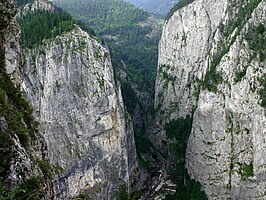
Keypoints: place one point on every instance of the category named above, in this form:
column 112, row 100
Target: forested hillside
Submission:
column 44, row 24
column 180, row 4
column 131, row 33
column 160, row 7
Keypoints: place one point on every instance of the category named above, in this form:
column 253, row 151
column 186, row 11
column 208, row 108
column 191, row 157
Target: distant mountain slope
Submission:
column 161, row 7
column 131, row 33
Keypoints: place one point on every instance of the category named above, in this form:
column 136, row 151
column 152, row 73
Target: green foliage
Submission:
column 255, row 37
column 111, row 15
column 16, row 110
column 6, row 153
column 240, row 74
column 213, row 78
column 257, row 41
column 119, row 24
column 262, row 91
column 246, row 170
column 260, row 29
column 18, row 115
column 89, row 30
column 179, row 5
column 143, row 146
column 159, row 7
column 40, row 25
column 2, row 189
column 145, row 164
column 32, row 189
column 129, row 97
column 246, row 8
column 45, row 167
column 122, row 194
column 178, row 131
column 167, row 77
column 190, row 190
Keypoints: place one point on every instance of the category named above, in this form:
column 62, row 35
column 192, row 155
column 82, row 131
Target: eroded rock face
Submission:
column 183, row 55
column 211, row 68
column 70, row 83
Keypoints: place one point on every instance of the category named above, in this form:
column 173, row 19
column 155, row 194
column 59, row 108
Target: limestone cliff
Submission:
column 212, row 69
column 79, row 140
column 69, row 81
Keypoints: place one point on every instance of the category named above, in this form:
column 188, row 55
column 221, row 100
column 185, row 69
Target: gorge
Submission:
column 75, row 123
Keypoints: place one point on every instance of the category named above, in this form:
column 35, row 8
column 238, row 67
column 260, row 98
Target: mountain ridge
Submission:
column 160, row 7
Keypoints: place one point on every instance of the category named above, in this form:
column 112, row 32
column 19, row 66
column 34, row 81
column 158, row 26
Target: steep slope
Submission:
column 68, row 78
column 211, row 72
column 23, row 170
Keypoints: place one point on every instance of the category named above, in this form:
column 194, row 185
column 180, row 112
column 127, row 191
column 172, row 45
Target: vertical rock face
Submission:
column 183, row 55
column 212, row 67
column 70, row 82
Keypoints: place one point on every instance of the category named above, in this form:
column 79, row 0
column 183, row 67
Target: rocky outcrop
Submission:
column 36, row 5
column 211, row 68
column 71, row 85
